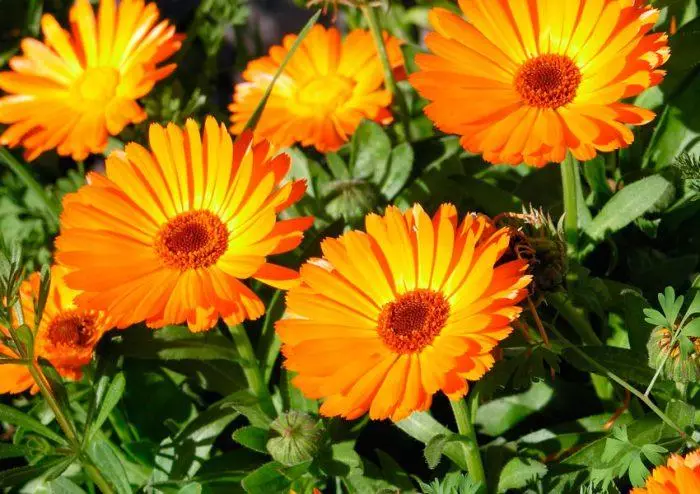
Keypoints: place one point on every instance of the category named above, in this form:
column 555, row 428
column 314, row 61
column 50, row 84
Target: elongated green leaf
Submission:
column 111, row 398
column 21, row 475
column 627, row 205
column 109, row 465
column 252, row 438
column 15, row 417
column 685, row 57
column 255, row 117
column 8, row 450
column 63, row 485
column 518, row 472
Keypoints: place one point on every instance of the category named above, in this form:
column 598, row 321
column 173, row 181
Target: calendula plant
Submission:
column 426, row 247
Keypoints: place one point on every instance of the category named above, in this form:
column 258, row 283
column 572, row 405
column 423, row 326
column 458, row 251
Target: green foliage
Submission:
column 598, row 382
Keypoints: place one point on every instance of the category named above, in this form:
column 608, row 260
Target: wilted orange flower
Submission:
column 681, row 475
column 389, row 317
column 167, row 236
column 66, row 335
column 325, row 91
column 523, row 81
column 75, row 88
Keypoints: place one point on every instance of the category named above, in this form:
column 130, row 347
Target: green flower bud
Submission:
column 677, row 367
column 295, row 437
column 536, row 239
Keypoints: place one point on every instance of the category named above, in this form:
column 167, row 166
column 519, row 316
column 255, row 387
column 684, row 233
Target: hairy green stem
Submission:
column 614, row 377
column 569, row 169
column 251, row 368
column 23, row 174
column 370, row 14
column 465, row 426
column 574, row 317
column 97, row 478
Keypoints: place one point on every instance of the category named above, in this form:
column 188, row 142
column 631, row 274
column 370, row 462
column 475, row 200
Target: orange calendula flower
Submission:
column 389, row 317
column 681, row 475
column 66, row 335
column 325, row 91
column 72, row 90
column 527, row 80
column 168, row 234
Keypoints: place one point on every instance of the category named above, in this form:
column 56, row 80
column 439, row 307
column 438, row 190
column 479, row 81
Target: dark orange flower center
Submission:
column 413, row 320
column 73, row 328
column 548, row 81
column 191, row 240
column 98, row 84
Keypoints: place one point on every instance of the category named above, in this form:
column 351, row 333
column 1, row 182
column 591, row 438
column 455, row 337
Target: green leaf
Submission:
column 682, row 414
column 15, row 417
column 20, row 475
column 500, row 415
column 490, row 198
column 247, row 404
column 519, row 472
column 257, row 113
column 623, row 362
column 436, row 446
column 370, row 151
column 252, row 438
column 109, row 465
column 193, row 488
column 272, row 477
column 627, row 205
column 692, row 328
column 654, row 317
column 114, row 393
column 64, row 485
column 337, row 166
column 639, row 329
column 8, row 450
column 685, row 56
column 422, row 427
column 400, row 169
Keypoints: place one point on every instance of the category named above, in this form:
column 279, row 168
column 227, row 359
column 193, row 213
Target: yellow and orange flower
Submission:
column 389, row 317
column 66, row 335
column 325, row 91
column 681, row 475
column 168, row 234
column 527, row 80
column 74, row 89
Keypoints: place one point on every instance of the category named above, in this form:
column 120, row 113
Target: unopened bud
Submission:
column 296, row 437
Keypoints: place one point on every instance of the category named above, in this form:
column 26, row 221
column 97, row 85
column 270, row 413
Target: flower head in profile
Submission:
column 168, row 235
column 533, row 79
column 389, row 317
column 66, row 335
column 77, row 87
column 328, row 87
column 680, row 475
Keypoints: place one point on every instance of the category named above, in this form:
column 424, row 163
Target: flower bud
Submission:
column 677, row 367
column 536, row 239
column 295, row 437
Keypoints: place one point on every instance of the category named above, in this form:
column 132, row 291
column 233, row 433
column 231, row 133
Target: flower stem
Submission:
column 370, row 14
column 614, row 377
column 66, row 425
column 251, row 368
column 465, row 426
column 23, row 174
column 569, row 169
